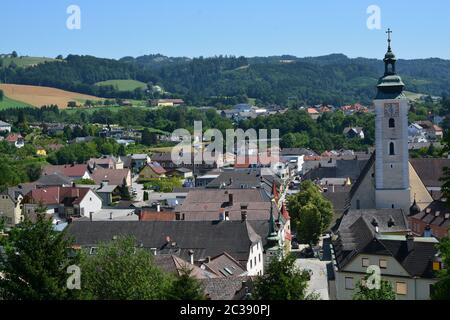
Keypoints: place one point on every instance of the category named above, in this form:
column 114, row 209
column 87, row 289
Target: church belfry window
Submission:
column 392, row 149
column 391, row 123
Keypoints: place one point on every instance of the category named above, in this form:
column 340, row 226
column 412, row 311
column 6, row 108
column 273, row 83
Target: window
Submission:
column 251, row 264
column 365, row 262
column 401, row 288
column 391, row 123
column 383, row 264
column 349, row 284
column 391, row 149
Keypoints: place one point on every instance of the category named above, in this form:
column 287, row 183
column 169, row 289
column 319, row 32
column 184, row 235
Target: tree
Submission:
column 385, row 292
column 149, row 138
column 14, row 54
column 310, row 195
column 125, row 192
column 185, row 287
column 122, row 151
column 441, row 290
column 282, row 281
column 309, row 225
column 35, row 263
column 120, row 271
column 72, row 104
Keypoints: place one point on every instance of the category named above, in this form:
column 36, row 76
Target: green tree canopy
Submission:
column 282, row 281
column 35, row 263
column 385, row 292
column 441, row 290
column 309, row 197
column 120, row 271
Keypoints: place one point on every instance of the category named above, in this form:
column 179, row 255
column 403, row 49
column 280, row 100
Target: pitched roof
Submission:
column 415, row 255
column 71, row 171
column 209, row 204
column 4, row 124
column 234, row 288
column 435, row 214
column 113, row 176
column 225, row 265
column 430, row 170
column 57, row 195
column 297, row 152
column 55, row 179
column 175, row 265
column 387, row 220
column 204, row 238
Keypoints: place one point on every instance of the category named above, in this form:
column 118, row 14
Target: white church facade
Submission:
column 389, row 181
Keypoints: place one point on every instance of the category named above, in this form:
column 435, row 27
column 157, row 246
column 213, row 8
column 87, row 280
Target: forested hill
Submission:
column 334, row 79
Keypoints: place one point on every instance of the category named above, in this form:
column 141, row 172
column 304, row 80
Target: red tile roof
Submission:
column 56, row 195
column 77, row 170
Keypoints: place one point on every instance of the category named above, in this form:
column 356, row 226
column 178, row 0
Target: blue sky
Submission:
column 117, row 28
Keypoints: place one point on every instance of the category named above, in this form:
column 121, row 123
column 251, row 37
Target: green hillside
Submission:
column 123, row 85
column 24, row 62
column 7, row 103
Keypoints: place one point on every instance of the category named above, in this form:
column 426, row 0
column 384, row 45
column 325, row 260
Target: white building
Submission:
column 5, row 127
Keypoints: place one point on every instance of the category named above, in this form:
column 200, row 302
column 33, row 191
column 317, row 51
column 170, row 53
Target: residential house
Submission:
column 16, row 139
column 408, row 263
column 313, row 113
column 109, row 193
column 138, row 161
column 116, row 177
column 74, row 171
column 63, row 202
column 226, row 205
column 167, row 102
column 5, row 127
column 354, row 132
column 11, row 206
column 433, row 221
column 106, row 162
column 190, row 240
column 432, row 131
column 152, row 170
column 53, row 180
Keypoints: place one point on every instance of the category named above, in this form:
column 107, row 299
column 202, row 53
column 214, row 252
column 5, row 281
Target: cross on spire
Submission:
column 389, row 32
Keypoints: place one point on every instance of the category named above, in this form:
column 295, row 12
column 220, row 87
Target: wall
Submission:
column 256, row 254
column 90, row 203
column 417, row 289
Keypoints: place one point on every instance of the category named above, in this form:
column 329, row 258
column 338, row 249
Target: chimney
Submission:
column 332, row 188
column 158, row 207
column 230, row 199
column 410, row 241
column 191, row 256
column 244, row 216
column 110, row 216
column 208, row 259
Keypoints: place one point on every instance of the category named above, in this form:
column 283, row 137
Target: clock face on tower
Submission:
column 391, row 110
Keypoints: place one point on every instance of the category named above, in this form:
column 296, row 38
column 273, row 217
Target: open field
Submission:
column 123, row 85
column 26, row 61
column 8, row 103
column 40, row 96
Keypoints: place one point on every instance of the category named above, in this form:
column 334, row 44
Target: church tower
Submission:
column 392, row 188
